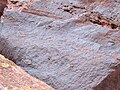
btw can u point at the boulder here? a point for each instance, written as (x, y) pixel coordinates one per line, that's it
(69, 44)
(13, 77)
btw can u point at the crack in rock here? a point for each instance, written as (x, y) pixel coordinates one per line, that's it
(100, 19)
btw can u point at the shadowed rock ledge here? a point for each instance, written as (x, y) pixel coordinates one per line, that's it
(111, 82)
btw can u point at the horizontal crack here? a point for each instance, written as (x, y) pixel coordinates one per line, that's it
(42, 13)
(97, 18)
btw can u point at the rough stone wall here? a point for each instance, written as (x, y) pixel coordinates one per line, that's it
(58, 42)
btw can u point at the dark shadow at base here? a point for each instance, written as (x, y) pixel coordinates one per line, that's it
(111, 82)
(5, 48)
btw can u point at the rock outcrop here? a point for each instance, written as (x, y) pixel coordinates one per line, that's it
(69, 44)
(13, 77)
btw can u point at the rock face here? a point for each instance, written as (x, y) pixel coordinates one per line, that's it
(69, 44)
(111, 82)
(13, 77)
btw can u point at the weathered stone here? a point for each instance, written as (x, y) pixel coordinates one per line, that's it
(13, 77)
(66, 48)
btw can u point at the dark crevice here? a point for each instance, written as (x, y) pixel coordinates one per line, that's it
(8, 51)
(103, 21)
(110, 25)
(113, 26)
(99, 19)
(5, 48)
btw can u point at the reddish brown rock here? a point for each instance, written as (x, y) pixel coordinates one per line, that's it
(112, 81)
(13, 77)
(3, 4)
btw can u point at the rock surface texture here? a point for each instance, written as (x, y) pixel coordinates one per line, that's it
(13, 77)
(69, 44)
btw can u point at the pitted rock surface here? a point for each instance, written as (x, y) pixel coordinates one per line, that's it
(55, 41)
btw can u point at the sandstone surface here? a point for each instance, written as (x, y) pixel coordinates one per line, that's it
(69, 44)
(13, 77)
